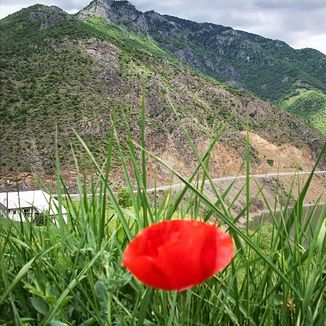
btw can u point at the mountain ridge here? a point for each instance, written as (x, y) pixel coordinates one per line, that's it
(269, 68)
(63, 75)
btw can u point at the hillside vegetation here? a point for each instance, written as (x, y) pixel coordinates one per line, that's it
(311, 106)
(61, 76)
(269, 68)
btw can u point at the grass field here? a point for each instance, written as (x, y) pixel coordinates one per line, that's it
(310, 105)
(71, 274)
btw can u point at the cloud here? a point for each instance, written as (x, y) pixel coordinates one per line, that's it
(301, 23)
(293, 5)
(10, 6)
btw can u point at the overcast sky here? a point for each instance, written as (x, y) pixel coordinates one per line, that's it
(301, 23)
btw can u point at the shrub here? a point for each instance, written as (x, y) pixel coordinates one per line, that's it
(124, 198)
(40, 219)
(270, 162)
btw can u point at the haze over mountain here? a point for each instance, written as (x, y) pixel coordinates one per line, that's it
(67, 73)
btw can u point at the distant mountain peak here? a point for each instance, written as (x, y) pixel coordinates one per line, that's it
(106, 2)
(43, 16)
(116, 12)
(108, 5)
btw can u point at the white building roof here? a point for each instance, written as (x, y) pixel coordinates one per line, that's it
(37, 199)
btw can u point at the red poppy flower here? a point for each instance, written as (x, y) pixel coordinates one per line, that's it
(178, 254)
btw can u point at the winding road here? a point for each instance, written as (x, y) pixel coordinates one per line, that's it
(177, 186)
(231, 178)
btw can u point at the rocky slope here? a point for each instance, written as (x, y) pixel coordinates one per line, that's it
(269, 68)
(61, 75)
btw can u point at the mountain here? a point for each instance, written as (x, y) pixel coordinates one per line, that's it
(269, 68)
(61, 75)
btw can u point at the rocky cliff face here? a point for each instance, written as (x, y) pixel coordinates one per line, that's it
(122, 12)
(269, 68)
(47, 16)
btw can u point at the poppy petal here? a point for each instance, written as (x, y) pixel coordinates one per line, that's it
(178, 254)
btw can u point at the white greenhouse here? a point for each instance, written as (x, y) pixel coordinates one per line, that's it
(27, 205)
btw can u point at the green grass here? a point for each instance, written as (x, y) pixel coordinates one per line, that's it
(311, 106)
(130, 42)
(71, 274)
